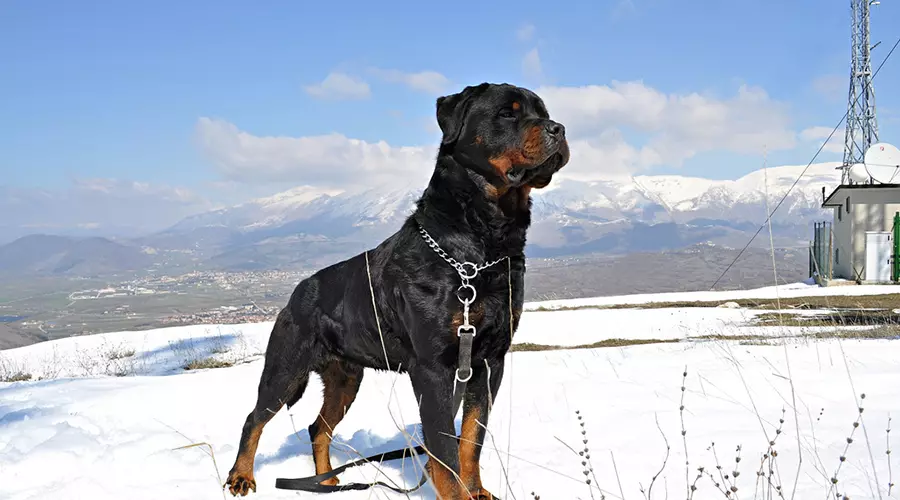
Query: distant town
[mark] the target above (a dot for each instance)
(37, 309)
(82, 306)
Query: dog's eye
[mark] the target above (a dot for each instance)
(506, 113)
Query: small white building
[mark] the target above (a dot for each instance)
(863, 236)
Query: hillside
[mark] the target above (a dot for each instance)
(46, 254)
(117, 413)
(303, 228)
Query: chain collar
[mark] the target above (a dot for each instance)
(461, 268)
(466, 331)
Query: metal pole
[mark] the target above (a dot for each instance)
(815, 250)
(819, 262)
(896, 273)
(810, 256)
(830, 253)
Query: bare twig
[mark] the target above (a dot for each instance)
(687, 462)
(647, 494)
(887, 438)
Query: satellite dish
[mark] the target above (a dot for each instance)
(859, 173)
(883, 163)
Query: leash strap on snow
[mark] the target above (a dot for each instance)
(313, 483)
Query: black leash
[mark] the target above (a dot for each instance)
(313, 483)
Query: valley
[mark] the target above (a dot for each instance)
(638, 235)
(47, 308)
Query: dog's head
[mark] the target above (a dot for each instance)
(503, 132)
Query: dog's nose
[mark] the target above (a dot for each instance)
(555, 129)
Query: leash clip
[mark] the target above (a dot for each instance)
(465, 329)
(463, 380)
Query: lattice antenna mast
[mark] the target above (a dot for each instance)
(862, 128)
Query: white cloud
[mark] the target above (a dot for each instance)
(620, 129)
(531, 65)
(331, 160)
(676, 126)
(430, 82)
(126, 189)
(819, 133)
(97, 206)
(607, 156)
(525, 32)
(338, 86)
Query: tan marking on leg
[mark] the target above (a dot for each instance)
(446, 485)
(240, 479)
(469, 470)
(340, 392)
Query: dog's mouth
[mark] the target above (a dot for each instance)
(538, 176)
(516, 175)
(520, 176)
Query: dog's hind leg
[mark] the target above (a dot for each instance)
(341, 380)
(289, 357)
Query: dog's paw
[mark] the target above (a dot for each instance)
(482, 494)
(240, 483)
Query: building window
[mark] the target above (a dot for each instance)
(837, 256)
(840, 210)
(848, 204)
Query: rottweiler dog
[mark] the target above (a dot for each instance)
(498, 144)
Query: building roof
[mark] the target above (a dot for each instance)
(853, 187)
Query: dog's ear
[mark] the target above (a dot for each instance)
(452, 110)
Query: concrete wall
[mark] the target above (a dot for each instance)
(869, 211)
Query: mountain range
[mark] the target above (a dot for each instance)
(302, 227)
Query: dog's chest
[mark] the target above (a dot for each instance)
(496, 310)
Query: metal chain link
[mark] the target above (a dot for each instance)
(460, 267)
(464, 276)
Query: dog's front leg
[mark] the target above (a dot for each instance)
(480, 395)
(433, 386)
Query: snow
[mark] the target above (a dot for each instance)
(621, 197)
(101, 436)
(803, 289)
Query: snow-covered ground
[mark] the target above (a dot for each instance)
(805, 289)
(84, 433)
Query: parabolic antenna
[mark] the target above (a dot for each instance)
(859, 173)
(883, 163)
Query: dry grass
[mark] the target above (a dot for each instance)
(851, 317)
(16, 377)
(119, 353)
(885, 332)
(12, 371)
(529, 347)
(882, 332)
(884, 301)
(207, 363)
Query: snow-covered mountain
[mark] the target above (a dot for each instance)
(673, 198)
(570, 217)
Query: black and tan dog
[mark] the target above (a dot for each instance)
(498, 143)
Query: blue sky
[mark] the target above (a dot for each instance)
(195, 95)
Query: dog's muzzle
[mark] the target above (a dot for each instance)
(556, 151)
